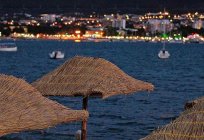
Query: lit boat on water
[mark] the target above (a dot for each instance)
(56, 55)
(163, 54)
(8, 47)
(91, 39)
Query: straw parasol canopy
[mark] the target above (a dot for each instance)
(86, 76)
(189, 126)
(23, 108)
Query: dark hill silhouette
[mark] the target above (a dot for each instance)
(124, 6)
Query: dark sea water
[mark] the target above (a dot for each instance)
(124, 117)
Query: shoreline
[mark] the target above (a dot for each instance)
(105, 39)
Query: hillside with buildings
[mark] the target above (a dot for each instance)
(60, 26)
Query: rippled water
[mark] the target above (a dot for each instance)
(177, 80)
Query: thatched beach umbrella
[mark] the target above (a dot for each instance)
(23, 108)
(189, 126)
(88, 76)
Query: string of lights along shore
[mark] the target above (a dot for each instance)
(185, 27)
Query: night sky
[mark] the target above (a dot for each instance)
(132, 6)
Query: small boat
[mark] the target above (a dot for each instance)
(8, 47)
(92, 39)
(56, 55)
(163, 54)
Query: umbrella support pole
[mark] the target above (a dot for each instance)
(84, 122)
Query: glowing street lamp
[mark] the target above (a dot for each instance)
(77, 31)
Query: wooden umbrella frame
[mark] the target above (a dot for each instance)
(84, 122)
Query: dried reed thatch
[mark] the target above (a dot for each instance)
(190, 104)
(189, 126)
(85, 76)
(23, 108)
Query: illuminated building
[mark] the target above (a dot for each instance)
(94, 34)
(119, 23)
(198, 24)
